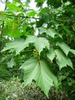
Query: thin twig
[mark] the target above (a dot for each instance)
(20, 16)
(3, 22)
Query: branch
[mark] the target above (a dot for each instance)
(21, 16)
(2, 31)
(3, 21)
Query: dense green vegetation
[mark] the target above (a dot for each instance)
(38, 46)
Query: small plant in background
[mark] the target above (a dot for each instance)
(15, 90)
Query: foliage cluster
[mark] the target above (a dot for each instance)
(48, 57)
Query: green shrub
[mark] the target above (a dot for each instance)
(14, 90)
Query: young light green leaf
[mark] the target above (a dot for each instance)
(31, 13)
(40, 72)
(51, 54)
(13, 6)
(62, 60)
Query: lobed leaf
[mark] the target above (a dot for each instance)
(66, 49)
(49, 32)
(62, 60)
(18, 45)
(40, 72)
(39, 42)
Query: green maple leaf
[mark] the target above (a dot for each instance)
(18, 45)
(62, 60)
(40, 72)
(49, 32)
(39, 42)
(66, 49)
